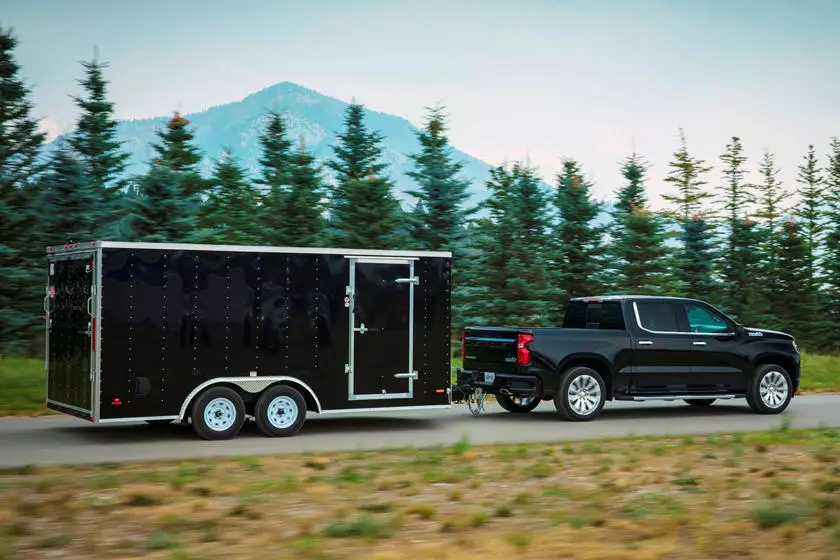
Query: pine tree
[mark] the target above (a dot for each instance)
(694, 269)
(442, 191)
(637, 248)
(364, 212)
(739, 259)
(493, 246)
(21, 250)
(176, 151)
(686, 175)
(69, 199)
(160, 211)
(830, 333)
(810, 209)
(578, 240)
(770, 197)
(229, 212)
(95, 141)
(275, 178)
(302, 214)
(793, 281)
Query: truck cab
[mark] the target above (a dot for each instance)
(631, 348)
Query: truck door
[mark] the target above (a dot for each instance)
(661, 353)
(71, 326)
(380, 297)
(716, 363)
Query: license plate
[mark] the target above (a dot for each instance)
(489, 377)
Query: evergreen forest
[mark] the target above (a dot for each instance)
(767, 254)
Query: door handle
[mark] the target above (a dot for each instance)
(362, 329)
(646, 342)
(699, 343)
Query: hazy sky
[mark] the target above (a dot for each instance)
(537, 80)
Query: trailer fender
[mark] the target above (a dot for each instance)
(252, 385)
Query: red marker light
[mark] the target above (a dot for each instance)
(116, 402)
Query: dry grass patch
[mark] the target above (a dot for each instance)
(768, 495)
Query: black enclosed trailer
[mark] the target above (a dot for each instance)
(213, 334)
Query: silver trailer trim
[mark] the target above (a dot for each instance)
(135, 419)
(267, 249)
(387, 408)
(255, 384)
(70, 406)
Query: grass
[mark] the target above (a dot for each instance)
(551, 501)
(820, 373)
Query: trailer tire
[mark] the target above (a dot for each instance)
(586, 382)
(507, 402)
(280, 411)
(218, 413)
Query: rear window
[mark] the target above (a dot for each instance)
(606, 315)
(657, 316)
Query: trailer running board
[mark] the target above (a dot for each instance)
(674, 397)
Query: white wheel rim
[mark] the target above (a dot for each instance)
(773, 389)
(220, 414)
(584, 395)
(282, 412)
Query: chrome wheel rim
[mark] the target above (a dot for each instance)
(282, 412)
(220, 414)
(773, 389)
(584, 395)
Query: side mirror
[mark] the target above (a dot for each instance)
(739, 329)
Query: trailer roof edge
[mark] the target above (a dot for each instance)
(270, 249)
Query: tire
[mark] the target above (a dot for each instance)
(700, 402)
(218, 413)
(280, 411)
(586, 383)
(508, 403)
(769, 390)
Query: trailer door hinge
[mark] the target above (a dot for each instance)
(412, 375)
(347, 368)
(413, 280)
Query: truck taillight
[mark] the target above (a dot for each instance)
(523, 353)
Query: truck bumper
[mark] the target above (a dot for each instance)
(495, 383)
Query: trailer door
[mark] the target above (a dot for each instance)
(70, 333)
(381, 351)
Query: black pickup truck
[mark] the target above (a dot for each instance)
(631, 348)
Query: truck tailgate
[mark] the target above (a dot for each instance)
(490, 349)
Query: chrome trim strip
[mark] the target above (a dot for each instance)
(268, 379)
(683, 397)
(387, 408)
(639, 324)
(96, 397)
(70, 406)
(135, 419)
(271, 249)
(382, 396)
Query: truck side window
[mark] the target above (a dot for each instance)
(575, 315)
(657, 316)
(605, 315)
(702, 320)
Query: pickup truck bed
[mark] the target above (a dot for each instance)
(630, 348)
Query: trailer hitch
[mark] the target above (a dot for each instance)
(475, 401)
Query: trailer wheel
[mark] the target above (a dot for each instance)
(280, 411)
(517, 404)
(218, 413)
(581, 395)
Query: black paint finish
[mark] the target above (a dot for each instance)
(172, 320)
(69, 366)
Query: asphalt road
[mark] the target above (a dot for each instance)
(65, 440)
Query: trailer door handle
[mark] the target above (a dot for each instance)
(414, 280)
(412, 375)
(645, 342)
(362, 329)
(90, 306)
(699, 343)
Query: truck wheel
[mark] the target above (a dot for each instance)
(581, 395)
(769, 390)
(280, 411)
(517, 404)
(700, 402)
(218, 413)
